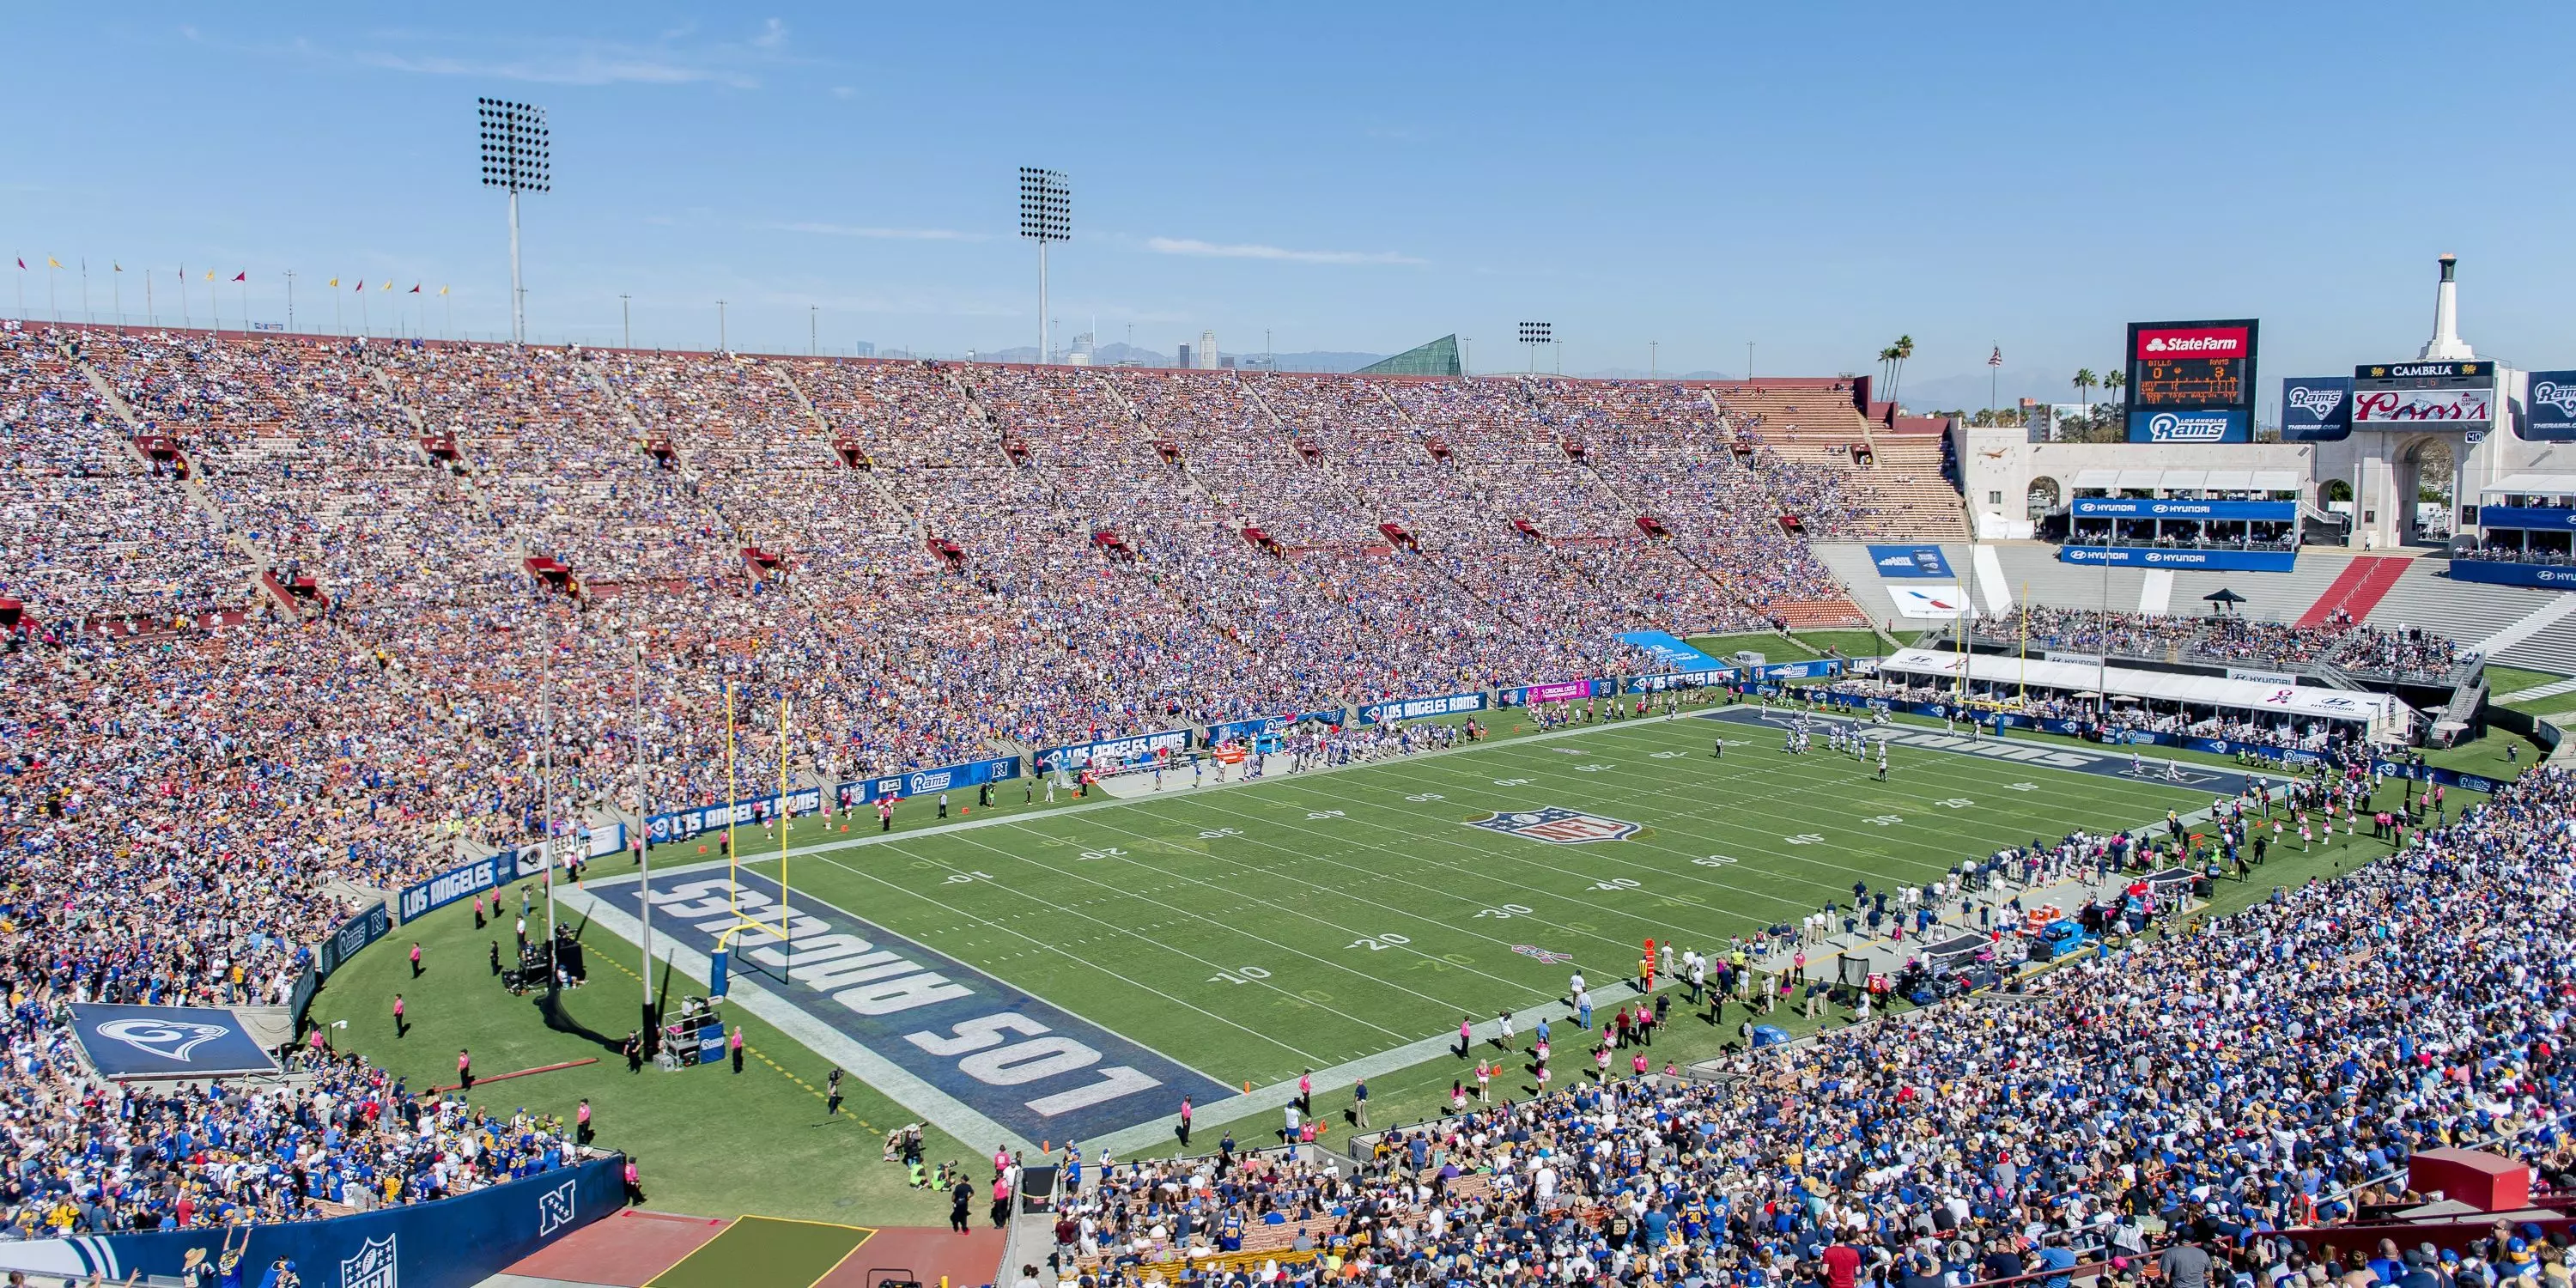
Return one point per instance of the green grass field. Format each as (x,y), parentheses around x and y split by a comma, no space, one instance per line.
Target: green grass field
(1307,921)
(1249,931)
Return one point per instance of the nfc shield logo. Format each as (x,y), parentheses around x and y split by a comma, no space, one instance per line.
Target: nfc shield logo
(2562,397)
(2321,403)
(2171,427)
(169,1039)
(556,1208)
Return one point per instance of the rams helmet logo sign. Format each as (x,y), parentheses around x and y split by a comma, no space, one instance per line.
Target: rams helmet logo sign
(1557,825)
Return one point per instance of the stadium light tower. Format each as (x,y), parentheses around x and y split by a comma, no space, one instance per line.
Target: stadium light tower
(518,156)
(1046,216)
(1534,334)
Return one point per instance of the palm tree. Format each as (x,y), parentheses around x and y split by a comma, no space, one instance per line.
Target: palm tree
(2084,382)
(2113,381)
(1903,349)
(1887,366)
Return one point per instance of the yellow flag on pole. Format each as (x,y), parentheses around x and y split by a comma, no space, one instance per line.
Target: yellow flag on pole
(442,290)
(51,262)
(335,281)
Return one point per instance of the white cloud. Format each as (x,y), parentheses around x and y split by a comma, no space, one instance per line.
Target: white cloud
(887,234)
(1215,250)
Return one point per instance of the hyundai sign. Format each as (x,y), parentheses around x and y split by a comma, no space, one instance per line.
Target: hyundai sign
(2549,415)
(2219,560)
(1910,561)
(2103,507)
(2214,425)
(2316,409)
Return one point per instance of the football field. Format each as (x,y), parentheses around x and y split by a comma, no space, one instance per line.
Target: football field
(1095,964)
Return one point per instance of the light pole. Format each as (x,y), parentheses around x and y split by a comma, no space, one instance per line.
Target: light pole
(626,319)
(518,156)
(720,326)
(1748,359)
(1534,334)
(813,344)
(1046,217)
(1650,358)
(290,301)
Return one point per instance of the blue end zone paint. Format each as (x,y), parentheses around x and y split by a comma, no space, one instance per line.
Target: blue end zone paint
(1671,651)
(1028,1065)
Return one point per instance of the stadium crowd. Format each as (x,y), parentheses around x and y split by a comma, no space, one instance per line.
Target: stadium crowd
(924,562)
(2409,652)
(2208,1090)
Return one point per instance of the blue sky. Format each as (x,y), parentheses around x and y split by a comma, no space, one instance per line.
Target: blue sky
(1815,178)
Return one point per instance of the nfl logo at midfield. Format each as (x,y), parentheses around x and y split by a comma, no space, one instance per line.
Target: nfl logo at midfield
(373,1267)
(1557,825)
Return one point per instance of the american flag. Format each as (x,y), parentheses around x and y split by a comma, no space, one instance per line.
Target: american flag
(1996,359)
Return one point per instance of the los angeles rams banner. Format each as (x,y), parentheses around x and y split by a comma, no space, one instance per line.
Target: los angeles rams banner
(1447,704)
(1073,756)
(369,925)
(125,1042)
(451,1243)
(2549,414)
(456,883)
(680,825)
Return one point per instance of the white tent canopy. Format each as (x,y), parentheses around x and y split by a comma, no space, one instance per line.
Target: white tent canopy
(2204,690)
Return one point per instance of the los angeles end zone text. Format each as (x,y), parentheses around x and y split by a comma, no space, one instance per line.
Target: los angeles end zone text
(1026,1064)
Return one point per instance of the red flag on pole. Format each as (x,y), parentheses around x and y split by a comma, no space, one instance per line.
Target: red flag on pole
(415,288)
(242,276)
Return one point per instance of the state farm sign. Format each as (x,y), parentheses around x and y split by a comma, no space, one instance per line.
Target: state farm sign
(2194,342)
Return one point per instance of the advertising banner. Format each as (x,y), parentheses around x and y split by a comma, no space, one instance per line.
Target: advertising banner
(457,883)
(2194,341)
(2423,406)
(2098,507)
(2159,557)
(1247,730)
(928,782)
(1679,680)
(1073,756)
(2316,409)
(1910,561)
(1447,704)
(1934,603)
(2549,416)
(2071,659)
(2496,572)
(1566,691)
(2422,375)
(680,825)
(451,1243)
(2546,518)
(2213,426)
(369,925)
(167,1042)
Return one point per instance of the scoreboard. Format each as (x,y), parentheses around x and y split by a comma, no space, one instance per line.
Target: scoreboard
(2191,382)
(2188,382)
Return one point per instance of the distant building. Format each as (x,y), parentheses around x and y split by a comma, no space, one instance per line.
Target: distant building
(1184,358)
(863,348)
(1226,361)
(1207,351)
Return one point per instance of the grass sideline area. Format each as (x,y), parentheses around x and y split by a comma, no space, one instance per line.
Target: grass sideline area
(1800,646)
(765,1250)
(2503,680)
(1252,872)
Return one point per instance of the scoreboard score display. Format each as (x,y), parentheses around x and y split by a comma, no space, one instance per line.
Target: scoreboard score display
(2191,382)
